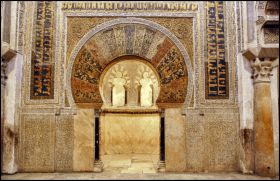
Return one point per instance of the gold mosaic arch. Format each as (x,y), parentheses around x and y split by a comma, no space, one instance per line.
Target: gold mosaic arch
(125,39)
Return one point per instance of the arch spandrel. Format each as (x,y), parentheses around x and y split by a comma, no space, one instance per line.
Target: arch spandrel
(130,36)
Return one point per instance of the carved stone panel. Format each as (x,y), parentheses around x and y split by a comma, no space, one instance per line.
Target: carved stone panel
(64,143)
(194,142)
(271,35)
(37,141)
(220,136)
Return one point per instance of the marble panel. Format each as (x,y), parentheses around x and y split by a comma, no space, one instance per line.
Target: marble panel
(83,153)
(64,143)
(129,133)
(175,140)
(37,143)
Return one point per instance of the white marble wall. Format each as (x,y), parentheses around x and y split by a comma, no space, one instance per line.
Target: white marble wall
(83,154)
(129,133)
(11,114)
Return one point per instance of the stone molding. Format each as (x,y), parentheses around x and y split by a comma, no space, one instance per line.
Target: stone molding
(6,55)
(161,166)
(98,166)
(6,52)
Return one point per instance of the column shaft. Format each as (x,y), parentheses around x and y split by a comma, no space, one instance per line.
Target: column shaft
(263,130)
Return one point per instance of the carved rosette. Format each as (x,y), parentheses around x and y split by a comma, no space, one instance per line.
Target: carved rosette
(261,70)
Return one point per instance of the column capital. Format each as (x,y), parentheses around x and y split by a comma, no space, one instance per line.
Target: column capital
(261,69)
(97,112)
(161,112)
(262,61)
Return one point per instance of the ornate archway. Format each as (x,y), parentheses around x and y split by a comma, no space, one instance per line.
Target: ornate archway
(129,36)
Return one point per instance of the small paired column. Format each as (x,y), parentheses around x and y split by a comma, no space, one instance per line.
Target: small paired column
(98,165)
(263,128)
(161,163)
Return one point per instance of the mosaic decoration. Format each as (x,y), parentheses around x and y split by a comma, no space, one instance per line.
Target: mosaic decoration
(79,26)
(216,67)
(42,70)
(180,27)
(120,40)
(128,6)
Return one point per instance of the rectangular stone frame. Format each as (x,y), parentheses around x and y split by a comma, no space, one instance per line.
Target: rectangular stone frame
(231,58)
(26,102)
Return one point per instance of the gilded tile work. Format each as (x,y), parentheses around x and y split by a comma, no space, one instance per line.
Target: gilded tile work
(182,28)
(42,70)
(77,27)
(216,74)
(129,39)
(129,6)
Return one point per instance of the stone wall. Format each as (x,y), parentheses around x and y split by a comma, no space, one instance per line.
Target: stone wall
(45,141)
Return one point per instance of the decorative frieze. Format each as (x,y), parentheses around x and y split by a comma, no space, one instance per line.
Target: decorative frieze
(129,6)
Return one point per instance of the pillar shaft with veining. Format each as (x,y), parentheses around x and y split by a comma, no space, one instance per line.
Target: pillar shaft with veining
(263,129)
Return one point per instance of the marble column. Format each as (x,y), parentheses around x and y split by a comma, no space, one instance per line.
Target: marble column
(98,165)
(161,167)
(263,129)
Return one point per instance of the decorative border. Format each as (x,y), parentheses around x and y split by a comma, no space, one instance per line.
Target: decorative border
(231,59)
(124,21)
(28,61)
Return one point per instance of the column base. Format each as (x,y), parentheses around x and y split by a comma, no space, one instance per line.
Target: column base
(161,166)
(98,166)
